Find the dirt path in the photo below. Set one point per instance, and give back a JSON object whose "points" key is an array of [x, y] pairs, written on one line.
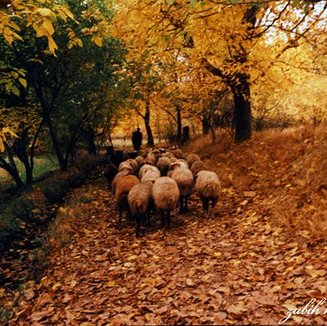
{"points": [[230, 267]]}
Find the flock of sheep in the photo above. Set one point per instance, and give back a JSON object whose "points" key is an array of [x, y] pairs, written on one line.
{"points": [[160, 179]]}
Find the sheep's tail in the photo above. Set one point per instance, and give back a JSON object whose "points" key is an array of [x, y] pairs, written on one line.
{"points": [[212, 190], [139, 206]]}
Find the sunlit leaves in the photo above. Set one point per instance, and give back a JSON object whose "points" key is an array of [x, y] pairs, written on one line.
{"points": [[4, 133]]}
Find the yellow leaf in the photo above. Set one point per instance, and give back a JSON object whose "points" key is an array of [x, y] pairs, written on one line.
{"points": [[97, 40], [43, 12], [132, 257], [52, 45], [56, 286], [111, 284], [23, 82], [6, 130], [289, 306], [67, 12], [2, 147], [217, 254], [8, 36], [14, 26], [48, 26]]}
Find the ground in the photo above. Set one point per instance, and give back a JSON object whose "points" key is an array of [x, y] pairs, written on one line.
{"points": [[237, 265]]}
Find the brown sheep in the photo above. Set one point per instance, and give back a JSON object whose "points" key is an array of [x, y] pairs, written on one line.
{"points": [[123, 186]]}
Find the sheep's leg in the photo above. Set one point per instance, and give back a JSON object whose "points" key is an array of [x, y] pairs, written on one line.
{"points": [[205, 204], [181, 205], [186, 200], [138, 224], [148, 217], [168, 219], [120, 213], [129, 215], [214, 202], [162, 216]]}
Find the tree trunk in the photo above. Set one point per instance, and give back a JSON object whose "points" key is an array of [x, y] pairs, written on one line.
{"points": [[242, 110], [205, 125], [90, 141], [147, 125], [13, 171], [46, 109], [62, 162], [28, 173], [179, 123]]}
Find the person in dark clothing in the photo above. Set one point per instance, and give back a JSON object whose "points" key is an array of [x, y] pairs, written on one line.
{"points": [[137, 139]]}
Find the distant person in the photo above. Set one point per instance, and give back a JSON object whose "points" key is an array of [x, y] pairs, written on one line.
{"points": [[137, 139]]}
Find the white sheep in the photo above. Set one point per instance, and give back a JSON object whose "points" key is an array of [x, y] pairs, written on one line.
{"points": [[151, 175], [179, 164], [208, 188], [165, 194], [185, 182], [129, 163], [146, 168], [140, 203]]}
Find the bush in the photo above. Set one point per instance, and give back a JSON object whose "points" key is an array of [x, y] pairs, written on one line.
{"points": [[56, 191], [18, 209]]}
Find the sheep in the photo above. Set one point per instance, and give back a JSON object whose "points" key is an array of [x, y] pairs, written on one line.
{"points": [[185, 182], [163, 165], [140, 202], [143, 153], [151, 159], [110, 173], [167, 154], [179, 164], [178, 153], [146, 168], [192, 158], [129, 163], [123, 186], [151, 175], [165, 194], [198, 166], [208, 188], [118, 176], [173, 159], [140, 161]]}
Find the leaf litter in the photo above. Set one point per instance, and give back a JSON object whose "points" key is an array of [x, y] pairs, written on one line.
{"points": [[235, 266]]}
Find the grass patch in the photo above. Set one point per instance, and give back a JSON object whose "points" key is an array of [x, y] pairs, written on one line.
{"points": [[42, 164]]}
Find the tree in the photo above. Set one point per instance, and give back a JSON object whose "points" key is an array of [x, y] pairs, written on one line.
{"points": [[225, 37], [61, 82], [145, 83]]}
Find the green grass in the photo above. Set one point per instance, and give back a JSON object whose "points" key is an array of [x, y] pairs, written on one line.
{"points": [[42, 163]]}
